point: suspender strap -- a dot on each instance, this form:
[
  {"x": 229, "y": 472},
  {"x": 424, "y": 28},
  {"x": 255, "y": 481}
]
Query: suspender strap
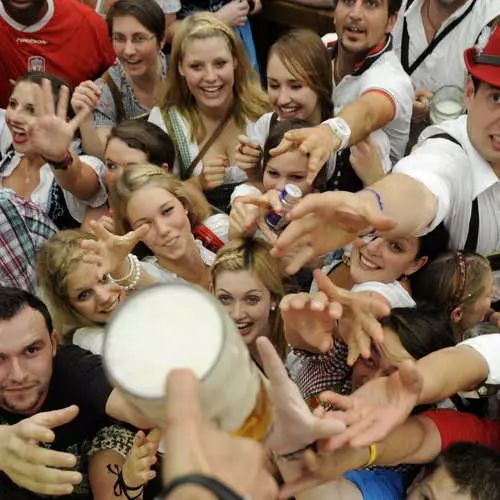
[
  {"x": 405, "y": 41},
  {"x": 473, "y": 232}
]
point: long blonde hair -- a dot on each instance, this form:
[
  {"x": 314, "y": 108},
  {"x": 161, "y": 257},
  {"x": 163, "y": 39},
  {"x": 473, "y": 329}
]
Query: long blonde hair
[
  {"x": 250, "y": 101},
  {"x": 253, "y": 255},
  {"x": 135, "y": 177},
  {"x": 57, "y": 259}
]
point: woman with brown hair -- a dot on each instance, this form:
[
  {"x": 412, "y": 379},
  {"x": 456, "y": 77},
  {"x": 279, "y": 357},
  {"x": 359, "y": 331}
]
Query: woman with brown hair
[{"x": 210, "y": 96}]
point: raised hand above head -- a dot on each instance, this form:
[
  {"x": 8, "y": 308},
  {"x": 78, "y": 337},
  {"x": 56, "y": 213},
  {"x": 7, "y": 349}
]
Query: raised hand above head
[
  {"x": 110, "y": 251},
  {"x": 51, "y": 133},
  {"x": 294, "y": 426},
  {"x": 328, "y": 221},
  {"x": 234, "y": 13},
  {"x": 34, "y": 467}
]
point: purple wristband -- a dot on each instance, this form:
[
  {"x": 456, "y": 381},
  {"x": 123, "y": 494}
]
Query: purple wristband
[{"x": 377, "y": 197}]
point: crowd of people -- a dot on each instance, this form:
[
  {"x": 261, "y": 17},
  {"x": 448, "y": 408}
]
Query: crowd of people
[{"x": 351, "y": 235}]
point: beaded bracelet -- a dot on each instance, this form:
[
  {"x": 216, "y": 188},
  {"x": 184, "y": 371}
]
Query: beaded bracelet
[{"x": 135, "y": 271}]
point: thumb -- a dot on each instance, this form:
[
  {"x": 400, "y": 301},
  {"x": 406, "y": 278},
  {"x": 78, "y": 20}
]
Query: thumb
[
  {"x": 182, "y": 398},
  {"x": 273, "y": 366},
  {"x": 138, "y": 234},
  {"x": 56, "y": 418},
  {"x": 328, "y": 427},
  {"x": 154, "y": 435},
  {"x": 325, "y": 285},
  {"x": 411, "y": 377}
]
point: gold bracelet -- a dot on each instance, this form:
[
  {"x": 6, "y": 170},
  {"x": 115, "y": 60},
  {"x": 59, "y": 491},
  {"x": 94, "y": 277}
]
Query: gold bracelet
[{"x": 373, "y": 456}]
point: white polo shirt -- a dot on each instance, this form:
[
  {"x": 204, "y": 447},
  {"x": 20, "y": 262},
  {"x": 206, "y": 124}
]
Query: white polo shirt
[
  {"x": 456, "y": 176},
  {"x": 445, "y": 64},
  {"x": 385, "y": 75},
  {"x": 488, "y": 346}
]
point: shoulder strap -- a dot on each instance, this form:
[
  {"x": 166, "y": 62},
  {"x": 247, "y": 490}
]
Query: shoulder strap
[
  {"x": 217, "y": 132},
  {"x": 473, "y": 232},
  {"x": 176, "y": 133},
  {"x": 405, "y": 42},
  {"x": 117, "y": 96}
]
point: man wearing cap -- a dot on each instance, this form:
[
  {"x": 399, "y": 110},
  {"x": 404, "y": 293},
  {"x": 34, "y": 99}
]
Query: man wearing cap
[{"x": 429, "y": 32}]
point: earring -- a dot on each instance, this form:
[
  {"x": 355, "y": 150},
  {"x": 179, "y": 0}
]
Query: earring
[{"x": 273, "y": 307}]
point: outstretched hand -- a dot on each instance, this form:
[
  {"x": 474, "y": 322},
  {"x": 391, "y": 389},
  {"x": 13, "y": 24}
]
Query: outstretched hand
[
  {"x": 327, "y": 221},
  {"x": 32, "y": 466},
  {"x": 376, "y": 408},
  {"x": 318, "y": 143},
  {"x": 294, "y": 425},
  {"x": 51, "y": 134},
  {"x": 110, "y": 251}
]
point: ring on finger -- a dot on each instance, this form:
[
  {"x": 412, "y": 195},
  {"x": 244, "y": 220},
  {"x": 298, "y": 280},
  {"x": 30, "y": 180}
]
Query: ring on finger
[{"x": 241, "y": 149}]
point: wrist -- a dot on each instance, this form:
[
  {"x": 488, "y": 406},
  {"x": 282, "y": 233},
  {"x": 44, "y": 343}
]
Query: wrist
[
  {"x": 60, "y": 163},
  {"x": 341, "y": 130}
]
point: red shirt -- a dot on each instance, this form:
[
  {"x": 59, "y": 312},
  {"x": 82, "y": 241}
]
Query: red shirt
[
  {"x": 70, "y": 41},
  {"x": 455, "y": 426}
]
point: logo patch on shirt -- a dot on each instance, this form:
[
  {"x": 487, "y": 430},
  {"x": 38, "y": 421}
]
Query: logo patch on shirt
[{"x": 36, "y": 63}]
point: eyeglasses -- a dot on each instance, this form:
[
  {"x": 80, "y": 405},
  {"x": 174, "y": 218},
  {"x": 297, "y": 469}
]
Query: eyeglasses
[{"x": 137, "y": 39}]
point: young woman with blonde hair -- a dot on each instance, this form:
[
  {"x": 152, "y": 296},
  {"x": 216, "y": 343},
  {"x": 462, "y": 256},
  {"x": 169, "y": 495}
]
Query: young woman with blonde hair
[
  {"x": 248, "y": 282},
  {"x": 210, "y": 96},
  {"x": 146, "y": 195}
]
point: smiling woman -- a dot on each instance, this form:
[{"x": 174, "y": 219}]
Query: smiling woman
[
  {"x": 210, "y": 96},
  {"x": 77, "y": 292},
  {"x": 248, "y": 282}
]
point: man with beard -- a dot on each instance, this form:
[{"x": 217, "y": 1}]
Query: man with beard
[
  {"x": 430, "y": 37},
  {"x": 63, "y": 37},
  {"x": 53, "y": 400}
]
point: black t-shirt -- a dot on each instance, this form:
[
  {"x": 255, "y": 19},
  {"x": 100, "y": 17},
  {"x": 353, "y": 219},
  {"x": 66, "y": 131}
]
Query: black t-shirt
[{"x": 78, "y": 378}]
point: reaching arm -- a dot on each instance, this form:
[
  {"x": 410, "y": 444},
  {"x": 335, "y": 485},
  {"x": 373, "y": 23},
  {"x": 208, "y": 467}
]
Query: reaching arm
[{"x": 80, "y": 179}]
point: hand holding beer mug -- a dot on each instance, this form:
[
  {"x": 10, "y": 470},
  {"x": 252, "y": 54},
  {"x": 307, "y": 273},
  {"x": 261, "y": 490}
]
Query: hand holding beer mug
[
  {"x": 447, "y": 103},
  {"x": 171, "y": 326}
]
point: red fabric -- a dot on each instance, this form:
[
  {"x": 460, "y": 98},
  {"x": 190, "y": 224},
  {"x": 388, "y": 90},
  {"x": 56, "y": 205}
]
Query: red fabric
[
  {"x": 456, "y": 426},
  {"x": 73, "y": 45}
]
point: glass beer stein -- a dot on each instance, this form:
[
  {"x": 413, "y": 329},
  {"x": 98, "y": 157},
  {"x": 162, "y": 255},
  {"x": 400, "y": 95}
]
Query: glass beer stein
[{"x": 169, "y": 326}]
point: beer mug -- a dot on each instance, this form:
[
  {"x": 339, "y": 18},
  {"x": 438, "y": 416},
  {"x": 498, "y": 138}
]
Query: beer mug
[
  {"x": 169, "y": 326},
  {"x": 447, "y": 103}
]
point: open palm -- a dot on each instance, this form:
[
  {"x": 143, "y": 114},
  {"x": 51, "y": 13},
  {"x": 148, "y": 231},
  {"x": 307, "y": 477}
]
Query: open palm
[{"x": 51, "y": 134}]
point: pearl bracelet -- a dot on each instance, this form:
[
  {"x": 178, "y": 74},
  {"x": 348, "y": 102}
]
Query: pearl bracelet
[{"x": 132, "y": 277}]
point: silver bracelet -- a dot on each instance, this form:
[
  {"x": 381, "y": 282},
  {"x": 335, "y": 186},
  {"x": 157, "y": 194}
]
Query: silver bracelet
[{"x": 133, "y": 276}]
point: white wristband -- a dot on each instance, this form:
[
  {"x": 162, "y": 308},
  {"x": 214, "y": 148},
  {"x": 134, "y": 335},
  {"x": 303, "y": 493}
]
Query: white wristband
[{"x": 341, "y": 129}]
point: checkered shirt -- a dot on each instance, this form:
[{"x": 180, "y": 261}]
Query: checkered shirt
[{"x": 24, "y": 228}]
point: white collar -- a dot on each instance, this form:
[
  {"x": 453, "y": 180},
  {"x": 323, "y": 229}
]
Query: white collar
[{"x": 33, "y": 27}]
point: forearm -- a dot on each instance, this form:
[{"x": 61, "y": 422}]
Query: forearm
[
  {"x": 400, "y": 194},
  {"x": 171, "y": 27},
  {"x": 93, "y": 143},
  {"x": 449, "y": 371},
  {"x": 119, "y": 408},
  {"x": 331, "y": 467},
  {"x": 368, "y": 113},
  {"x": 79, "y": 179},
  {"x": 191, "y": 492}
]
